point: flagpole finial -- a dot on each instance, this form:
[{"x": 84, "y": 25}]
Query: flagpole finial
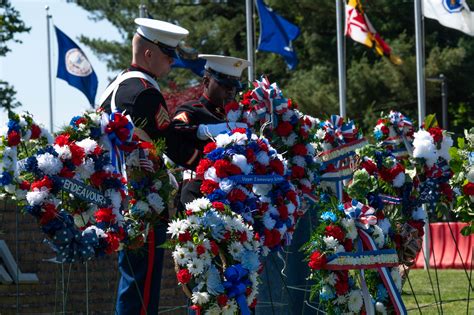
[{"x": 46, "y": 7}]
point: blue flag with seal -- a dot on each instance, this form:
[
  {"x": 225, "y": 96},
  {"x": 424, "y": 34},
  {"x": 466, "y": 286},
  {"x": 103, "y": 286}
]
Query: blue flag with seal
[
  {"x": 195, "y": 65},
  {"x": 74, "y": 67},
  {"x": 277, "y": 34}
]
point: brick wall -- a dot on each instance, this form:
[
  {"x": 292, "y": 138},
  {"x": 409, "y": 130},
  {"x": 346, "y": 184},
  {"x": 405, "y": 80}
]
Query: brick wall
[{"x": 46, "y": 296}]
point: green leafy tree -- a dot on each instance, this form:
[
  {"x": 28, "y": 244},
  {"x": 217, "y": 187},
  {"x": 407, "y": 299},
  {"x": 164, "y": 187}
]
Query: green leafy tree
[
  {"x": 374, "y": 84},
  {"x": 10, "y": 25}
]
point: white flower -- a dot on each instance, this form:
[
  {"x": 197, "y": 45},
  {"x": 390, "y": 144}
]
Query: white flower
[
  {"x": 222, "y": 140},
  {"x": 341, "y": 299},
  {"x": 396, "y": 278},
  {"x": 299, "y": 160},
  {"x": 241, "y": 161},
  {"x": 290, "y": 140},
  {"x": 196, "y": 266},
  {"x": 261, "y": 189},
  {"x": 239, "y": 138},
  {"x": 330, "y": 242},
  {"x": 226, "y": 185},
  {"x": 399, "y": 180},
  {"x": 235, "y": 249},
  {"x": 320, "y": 134},
  {"x": 379, "y": 237},
  {"x": 470, "y": 175},
  {"x": 355, "y": 301},
  {"x": 197, "y": 205},
  {"x": 36, "y": 197},
  {"x": 231, "y": 308},
  {"x": 45, "y": 133},
  {"x": 200, "y": 298},
  {"x": 331, "y": 279},
  {"x": 380, "y": 308},
  {"x": 99, "y": 232},
  {"x": 64, "y": 152},
  {"x": 446, "y": 144},
  {"x": 424, "y": 147},
  {"x": 384, "y": 225},
  {"x": 27, "y": 135},
  {"x": 268, "y": 222},
  {"x": 211, "y": 174},
  {"x": 86, "y": 169},
  {"x": 156, "y": 202},
  {"x": 349, "y": 226},
  {"x": 115, "y": 198},
  {"x": 262, "y": 158},
  {"x": 179, "y": 256},
  {"x": 177, "y": 227},
  {"x": 88, "y": 145},
  {"x": 49, "y": 164}
]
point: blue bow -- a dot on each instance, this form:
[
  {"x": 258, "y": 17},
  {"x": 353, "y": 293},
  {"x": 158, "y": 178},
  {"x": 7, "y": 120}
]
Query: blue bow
[{"x": 236, "y": 286}]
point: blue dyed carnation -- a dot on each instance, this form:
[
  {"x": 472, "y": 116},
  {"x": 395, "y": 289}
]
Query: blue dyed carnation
[{"x": 329, "y": 216}]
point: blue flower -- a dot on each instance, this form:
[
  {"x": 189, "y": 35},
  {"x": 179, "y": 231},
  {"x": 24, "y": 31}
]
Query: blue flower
[
  {"x": 378, "y": 134},
  {"x": 237, "y": 207},
  {"x": 326, "y": 293},
  {"x": 216, "y": 154},
  {"x": 249, "y": 260},
  {"x": 214, "y": 283},
  {"x": 217, "y": 195},
  {"x": 340, "y": 207},
  {"x": 5, "y": 178},
  {"x": 95, "y": 133},
  {"x": 13, "y": 125},
  {"x": 329, "y": 216},
  {"x": 73, "y": 121},
  {"x": 382, "y": 294}
]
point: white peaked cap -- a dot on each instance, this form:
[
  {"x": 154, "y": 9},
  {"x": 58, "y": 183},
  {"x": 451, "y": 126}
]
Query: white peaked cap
[
  {"x": 226, "y": 65},
  {"x": 160, "y": 31}
]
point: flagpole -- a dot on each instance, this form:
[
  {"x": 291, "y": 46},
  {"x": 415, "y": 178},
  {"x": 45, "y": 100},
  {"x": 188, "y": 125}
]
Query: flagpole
[
  {"x": 420, "y": 80},
  {"x": 48, "y": 17},
  {"x": 250, "y": 49},
  {"x": 341, "y": 60}
]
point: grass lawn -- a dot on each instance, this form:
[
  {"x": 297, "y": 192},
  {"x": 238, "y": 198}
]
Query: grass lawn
[{"x": 453, "y": 286}]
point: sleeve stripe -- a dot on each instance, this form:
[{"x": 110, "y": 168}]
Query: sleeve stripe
[{"x": 193, "y": 157}]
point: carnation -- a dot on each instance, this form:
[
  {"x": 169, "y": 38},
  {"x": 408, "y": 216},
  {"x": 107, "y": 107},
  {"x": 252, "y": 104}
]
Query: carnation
[
  {"x": 331, "y": 242},
  {"x": 49, "y": 164},
  {"x": 37, "y": 196},
  {"x": 200, "y": 298},
  {"x": 88, "y": 145},
  {"x": 156, "y": 202}
]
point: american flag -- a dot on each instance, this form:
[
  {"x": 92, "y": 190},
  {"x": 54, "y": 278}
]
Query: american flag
[{"x": 145, "y": 163}]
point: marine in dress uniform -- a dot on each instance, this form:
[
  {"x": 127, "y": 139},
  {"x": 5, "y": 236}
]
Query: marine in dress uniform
[
  {"x": 196, "y": 120},
  {"x": 136, "y": 91}
]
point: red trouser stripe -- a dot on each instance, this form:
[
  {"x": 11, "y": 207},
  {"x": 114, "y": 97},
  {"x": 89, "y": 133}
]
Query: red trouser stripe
[{"x": 149, "y": 271}]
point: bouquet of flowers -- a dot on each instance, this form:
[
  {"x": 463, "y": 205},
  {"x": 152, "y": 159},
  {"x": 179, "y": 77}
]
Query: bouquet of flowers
[
  {"x": 246, "y": 173},
  {"x": 217, "y": 258},
  {"x": 265, "y": 109},
  {"x": 394, "y": 132},
  {"x": 19, "y": 137},
  {"x": 462, "y": 164}
]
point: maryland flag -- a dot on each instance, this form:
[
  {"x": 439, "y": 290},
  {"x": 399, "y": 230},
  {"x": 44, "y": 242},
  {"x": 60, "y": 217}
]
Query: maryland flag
[{"x": 359, "y": 28}]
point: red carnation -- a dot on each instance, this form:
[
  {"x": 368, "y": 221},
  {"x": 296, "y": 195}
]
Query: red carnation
[
  {"x": 35, "y": 132},
  {"x": 236, "y": 195},
  {"x": 208, "y": 186},
  {"x": 259, "y": 169},
  {"x": 183, "y": 276},
  {"x": 104, "y": 215},
  {"x": 203, "y": 166},
  {"x": 284, "y": 129},
  {"x": 184, "y": 237},
  {"x": 232, "y": 105},
  {"x": 62, "y": 140},
  {"x": 77, "y": 154},
  {"x": 446, "y": 191},
  {"x": 272, "y": 238},
  {"x": 277, "y": 166},
  {"x": 239, "y": 130},
  {"x": 81, "y": 120},
  {"x": 97, "y": 178},
  {"x": 113, "y": 242},
  {"x": 250, "y": 155},
  {"x": 317, "y": 261},
  {"x": 66, "y": 172},
  {"x": 299, "y": 149},
  {"x": 25, "y": 185},
  {"x": 243, "y": 237},
  {"x": 48, "y": 212},
  {"x": 214, "y": 248},
  {"x": 385, "y": 130},
  {"x": 222, "y": 167},
  {"x": 334, "y": 231},
  {"x": 200, "y": 249},
  {"x": 292, "y": 196},
  {"x": 45, "y": 182},
  {"x": 468, "y": 189},
  {"x": 369, "y": 166},
  {"x": 219, "y": 206},
  {"x": 283, "y": 210},
  {"x": 222, "y": 300},
  {"x": 14, "y": 138},
  {"x": 436, "y": 133},
  {"x": 211, "y": 146},
  {"x": 342, "y": 287},
  {"x": 397, "y": 169},
  {"x": 297, "y": 172}
]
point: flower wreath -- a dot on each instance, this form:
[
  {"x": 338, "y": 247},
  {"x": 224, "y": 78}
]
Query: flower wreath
[
  {"x": 350, "y": 236},
  {"x": 216, "y": 256},
  {"x": 462, "y": 164},
  {"x": 395, "y": 133},
  {"x": 431, "y": 147},
  {"x": 246, "y": 173},
  {"x": 265, "y": 106}
]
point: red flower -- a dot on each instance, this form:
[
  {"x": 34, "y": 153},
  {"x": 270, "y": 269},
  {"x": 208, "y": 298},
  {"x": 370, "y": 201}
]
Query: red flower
[
  {"x": 259, "y": 169},
  {"x": 113, "y": 242},
  {"x": 232, "y": 105},
  {"x": 183, "y": 276},
  {"x": 299, "y": 149},
  {"x": 342, "y": 287},
  {"x": 211, "y": 146},
  {"x": 447, "y": 191},
  {"x": 254, "y": 303},
  {"x": 45, "y": 182},
  {"x": 200, "y": 249},
  {"x": 203, "y": 166},
  {"x": 284, "y": 129},
  {"x": 145, "y": 145},
  {"x": 25, "y": 185},
  {"x": 297, "y": 172},
  {"x": 77, "y": 154},
  {"x": 48, "y": 212},
  {"x": 397, "y": 169},
  {"x": 334, "y": 231},
  {"x": 283, "y": 210},
  {"x": 292, "y": 196},
  {"x": 369, "y": 166},
  {"x": 81, "y": 120},
  {"x": 219, "y": 206},
  {"x": 214, "y": 248},
  {"x": 35, "y": 132},
  {"x": 208, "y": 186},
  {"x": 250, "y": 155},
  {"x": 222, "y": 168},
  {"x": 385, "y": 130},
  {"x": 277, "y": 166},
  {"x": 14, "y": 138},
  {"x": 239, "y": 130},
  {"x": 105, "y": 215},
  {"x": 468, "y": 189},
  {"x": 243, "y": 237},
  {"x": 97, "y": 178},
  {"x": 348, "y": 245},
  {"x": 184, "y": 237},
  {"x": 66, "y": 172},
  {"x": 317, "y": 261},
  {"x": 222, "y": 300},
  {"x": 62, "y": 140},
  {"x": 272, "y": 238},
  {"x": 436, "y": 133},
  {"x": 236, "y": 195}
]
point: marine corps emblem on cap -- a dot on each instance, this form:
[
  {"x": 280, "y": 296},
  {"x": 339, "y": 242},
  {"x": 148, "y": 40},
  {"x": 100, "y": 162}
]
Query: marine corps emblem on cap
[{"x": 238, "y": 64}]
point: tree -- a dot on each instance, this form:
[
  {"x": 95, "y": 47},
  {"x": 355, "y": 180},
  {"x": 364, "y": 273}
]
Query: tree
[
  {"x": 374, "y": 84},
  {"x": 10, "y": 25}
]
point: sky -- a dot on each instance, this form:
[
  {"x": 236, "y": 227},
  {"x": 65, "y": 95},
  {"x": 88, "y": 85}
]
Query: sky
[{"x": 26, "y": 66}]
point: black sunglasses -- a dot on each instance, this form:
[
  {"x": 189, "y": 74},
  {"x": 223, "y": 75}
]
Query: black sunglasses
[
  {"x": 169, "y": 51},
  {"x": 226, "y": 81}
]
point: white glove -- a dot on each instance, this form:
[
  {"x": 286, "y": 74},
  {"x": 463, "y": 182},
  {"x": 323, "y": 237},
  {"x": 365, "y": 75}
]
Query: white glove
[{"x": 205, "y": 132}]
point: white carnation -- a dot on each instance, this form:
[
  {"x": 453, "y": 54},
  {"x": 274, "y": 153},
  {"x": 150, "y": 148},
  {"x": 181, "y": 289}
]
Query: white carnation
[
  {"x": 379, "y": 237},
  {"x": 226, "y": 185},
  {"x": 331, "y": 242},
  {"x": 349, "y": 226},
  {"x": 424, "y": 147},
  {"x": 222, "y": 140},
  {"x": 64, "y": 152},
  {"x": 241, "y": 162},
  {"x": 200, "y": 298},
  {"x": 446, "y": 144},
  {"x": 86, "y": 169},
  {"x": 290, "y": 140},
  {"x": 36, "y": 197},
  {"x": 211, "y": 174},
  {"x": 399, "y": 180},
  {"x": 156, "y": 202},
  {"x": 49, "y": 164},
  {"x": 88, "y": 145}
]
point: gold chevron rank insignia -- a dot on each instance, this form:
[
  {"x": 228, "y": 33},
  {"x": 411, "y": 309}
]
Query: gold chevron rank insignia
[
  {"x": 162, "y": 120},
  {"x": 183, "y": 116}
]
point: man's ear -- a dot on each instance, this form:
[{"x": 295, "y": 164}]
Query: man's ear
[{"x": 148, "y": 53}]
